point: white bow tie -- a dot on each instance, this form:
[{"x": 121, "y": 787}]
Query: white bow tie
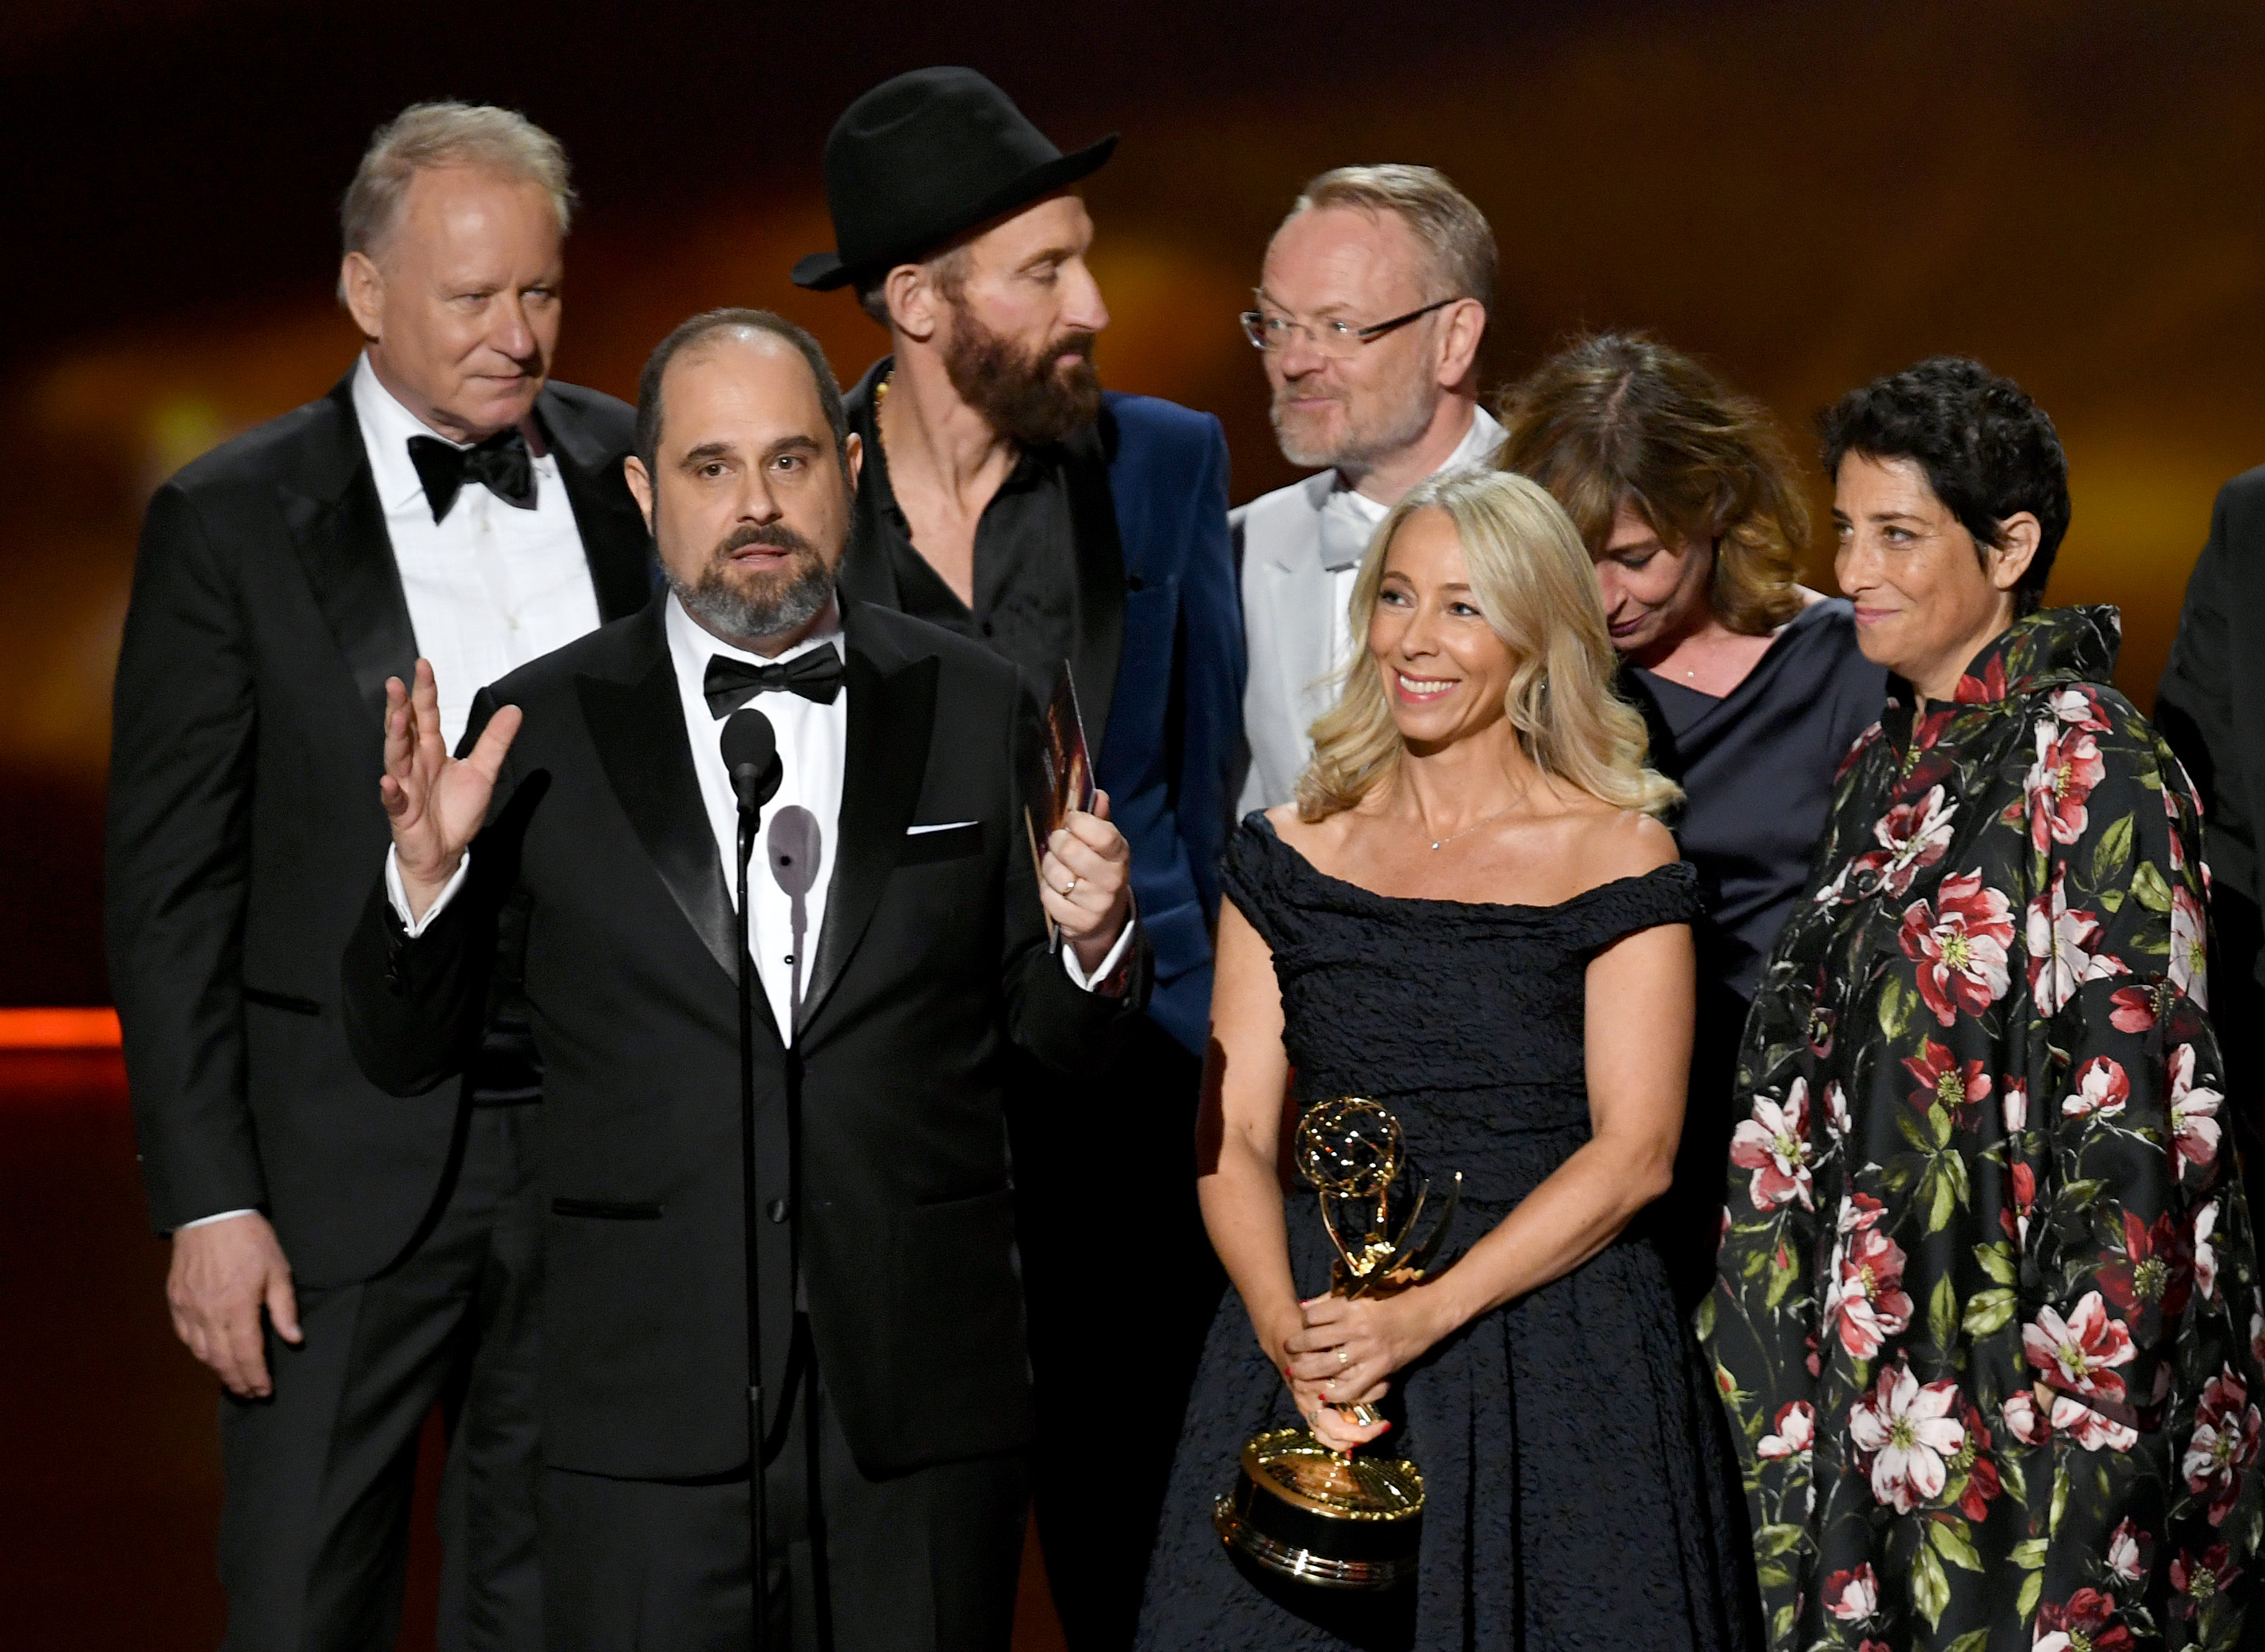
[{"x": 1345, "y": 531}]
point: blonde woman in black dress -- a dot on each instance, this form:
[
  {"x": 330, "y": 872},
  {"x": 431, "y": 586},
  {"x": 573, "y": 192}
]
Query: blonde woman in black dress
[{"x": 1471, "y": 916}]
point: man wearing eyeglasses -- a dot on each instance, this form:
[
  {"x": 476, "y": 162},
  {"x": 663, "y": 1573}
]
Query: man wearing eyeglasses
[{"x": 1374, "y": 300}]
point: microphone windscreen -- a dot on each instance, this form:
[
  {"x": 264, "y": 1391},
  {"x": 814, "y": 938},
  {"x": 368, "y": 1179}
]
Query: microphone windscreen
[{"x": 751, "y": 755}]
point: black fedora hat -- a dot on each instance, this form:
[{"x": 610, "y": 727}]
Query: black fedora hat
[{"x": 918, "y": 159}]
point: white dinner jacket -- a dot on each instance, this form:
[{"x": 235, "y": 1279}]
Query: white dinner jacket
[{"x": 1293, "y": 613}]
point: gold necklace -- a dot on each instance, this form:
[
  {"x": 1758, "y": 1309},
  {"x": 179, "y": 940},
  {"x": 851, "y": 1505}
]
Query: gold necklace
[{"x": 1440, "y": 843}]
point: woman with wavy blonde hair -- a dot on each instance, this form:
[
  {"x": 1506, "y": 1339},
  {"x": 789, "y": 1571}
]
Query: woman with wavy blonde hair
[{"x": 1471, "y": 917}]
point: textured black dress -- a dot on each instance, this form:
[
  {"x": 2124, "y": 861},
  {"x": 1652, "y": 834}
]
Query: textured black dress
[{"x": 1579, "y": 1489}]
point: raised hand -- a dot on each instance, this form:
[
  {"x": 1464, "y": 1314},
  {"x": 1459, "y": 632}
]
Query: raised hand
[{"x": 435, "y": 802}]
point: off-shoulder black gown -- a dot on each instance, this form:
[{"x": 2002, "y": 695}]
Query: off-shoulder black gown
[{"x": 1579, "y": 1489}]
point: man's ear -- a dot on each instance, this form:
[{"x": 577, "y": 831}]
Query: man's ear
[
  {"x": 1459, "y": 341},
  {"x": 2018, "y": 535},
  {"x": 853, "y": 458},
  {"x": 640, "y": 480},
  {"x": 915, "y": 308},
  {"x": 363, "y": 286}
]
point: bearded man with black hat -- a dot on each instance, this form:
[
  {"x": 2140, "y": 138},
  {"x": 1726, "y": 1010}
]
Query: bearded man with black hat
[{"x": 1006, "y": 497}]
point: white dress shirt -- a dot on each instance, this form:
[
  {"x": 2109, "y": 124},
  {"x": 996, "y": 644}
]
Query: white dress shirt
[
  {"x": 1301, "y": 548},
  {"x": 490, "y": 586},
  {"x": 793, "y": 863},
  {"x": 793, "y": 867}
]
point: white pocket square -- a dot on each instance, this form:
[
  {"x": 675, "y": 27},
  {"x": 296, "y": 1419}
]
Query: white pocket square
[{"x": 941, "y": 825}]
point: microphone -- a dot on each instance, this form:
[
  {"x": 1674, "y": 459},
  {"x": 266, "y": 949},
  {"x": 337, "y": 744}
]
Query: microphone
[{"x": 751, "y": 754}]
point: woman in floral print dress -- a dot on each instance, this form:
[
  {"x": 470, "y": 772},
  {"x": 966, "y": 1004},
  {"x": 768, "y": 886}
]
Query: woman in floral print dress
[{"x": 1987, "y": 1314}]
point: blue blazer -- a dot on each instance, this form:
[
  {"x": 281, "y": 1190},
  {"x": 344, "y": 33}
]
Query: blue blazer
[{"x": 1174, "y": 723}]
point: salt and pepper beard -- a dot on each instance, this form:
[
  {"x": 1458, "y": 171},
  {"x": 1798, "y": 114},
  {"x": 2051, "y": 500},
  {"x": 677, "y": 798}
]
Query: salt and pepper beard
[
  {"x": 1396, "y": 423},
  {"x": 777, "y": 605},
  {"x": 1022, "y": 395}
]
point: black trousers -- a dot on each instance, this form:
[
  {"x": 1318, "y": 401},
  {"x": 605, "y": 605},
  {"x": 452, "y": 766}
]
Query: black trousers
[
  {"x": 1109, "y": 1228},
  {"x": 314, "y": 1519},
  {"x": 925, "y": 1562}
]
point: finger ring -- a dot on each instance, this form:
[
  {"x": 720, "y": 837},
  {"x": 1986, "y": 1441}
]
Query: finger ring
[
  {"x": 1070, "y": 888},
  {"x": 1344, "y": 1358}
]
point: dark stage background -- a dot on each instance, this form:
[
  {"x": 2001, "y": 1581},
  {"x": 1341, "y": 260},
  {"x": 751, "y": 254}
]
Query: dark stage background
[{"x": 1808, "y": 195}]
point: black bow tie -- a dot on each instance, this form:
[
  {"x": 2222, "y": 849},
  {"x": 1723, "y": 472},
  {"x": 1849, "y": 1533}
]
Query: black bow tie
[
  {"x": 732, "y": 683},
  {"x": 501, "y": 464}
]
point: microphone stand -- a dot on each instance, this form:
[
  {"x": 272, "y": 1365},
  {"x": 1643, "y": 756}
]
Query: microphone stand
[
  {"x": 750, "y": 817},
  {"x": 750, "y": 749}
]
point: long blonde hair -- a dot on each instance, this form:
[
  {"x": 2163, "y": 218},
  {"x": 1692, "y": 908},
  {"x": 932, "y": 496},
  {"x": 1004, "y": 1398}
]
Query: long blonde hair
[{"x": 1533, "y": 581}]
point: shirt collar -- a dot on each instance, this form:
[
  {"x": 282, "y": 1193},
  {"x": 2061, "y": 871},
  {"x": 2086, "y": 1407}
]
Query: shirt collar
[{"x": 387, "y": 426}]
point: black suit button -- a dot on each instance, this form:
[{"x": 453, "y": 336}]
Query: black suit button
[
  {"x": 986, "y": 628},
  {"x": 776, "y": 1210}
]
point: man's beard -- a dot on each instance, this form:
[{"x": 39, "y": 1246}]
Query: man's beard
[
  {"x": 1022, "y": 395},
  {"x": 1384, "y": 428},
  {"x": 777, "y": 605}
]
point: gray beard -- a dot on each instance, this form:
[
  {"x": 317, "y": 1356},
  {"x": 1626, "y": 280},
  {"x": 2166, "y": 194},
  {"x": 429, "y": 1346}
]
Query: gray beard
[
  {"x": 751, "y": 616},
  {"x": 1384, "y": 431}
]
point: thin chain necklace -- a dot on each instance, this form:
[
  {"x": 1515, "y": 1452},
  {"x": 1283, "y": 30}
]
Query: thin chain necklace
[{"x": 1441, "y": 843}]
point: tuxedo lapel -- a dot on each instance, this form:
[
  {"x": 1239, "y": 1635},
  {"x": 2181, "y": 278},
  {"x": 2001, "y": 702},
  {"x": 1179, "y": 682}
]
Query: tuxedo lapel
[
  {"x": 1100, "y": 553},
  {"x": 606, "y": 517},
  {"x": 338, "y": 527},
  {"x": 638, "y": 727},
  {"x": 1305, "y": 624},
  {"x": 891, "y": 715}
]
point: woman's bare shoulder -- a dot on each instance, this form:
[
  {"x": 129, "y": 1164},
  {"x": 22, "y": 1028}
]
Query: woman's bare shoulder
[{"x": 1617, "y": 843}]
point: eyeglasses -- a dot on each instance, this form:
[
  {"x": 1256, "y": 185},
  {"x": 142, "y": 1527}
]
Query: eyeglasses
[{"x": 1271, "y": 332}]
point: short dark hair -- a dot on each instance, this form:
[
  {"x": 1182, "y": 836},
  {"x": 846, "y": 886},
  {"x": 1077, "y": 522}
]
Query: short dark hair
[
  {"x": 1989, "y": 451},
  {"x": 706, "y": 325}
]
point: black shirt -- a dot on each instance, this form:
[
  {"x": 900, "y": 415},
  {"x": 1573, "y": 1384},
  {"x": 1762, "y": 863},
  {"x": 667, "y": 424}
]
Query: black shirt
[
  {"x": 1025, "y": 587},
  {"x": 1757, "y": 766}
]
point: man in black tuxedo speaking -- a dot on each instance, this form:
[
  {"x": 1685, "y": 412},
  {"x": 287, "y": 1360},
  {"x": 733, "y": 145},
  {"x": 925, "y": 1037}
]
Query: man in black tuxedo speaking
[
  {"x": 895, "y": 924},
  {"x": 447, "y": 499}
]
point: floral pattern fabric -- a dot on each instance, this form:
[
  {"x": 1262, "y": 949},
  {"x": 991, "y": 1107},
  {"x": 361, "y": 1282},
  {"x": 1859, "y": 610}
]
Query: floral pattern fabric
[{"x": 1987, "y": 1320}]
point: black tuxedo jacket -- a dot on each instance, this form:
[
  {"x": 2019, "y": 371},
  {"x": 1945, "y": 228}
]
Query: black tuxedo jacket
[
  {"x": 246, "y": 746},
  {"x": 2212, "y": 707},
  {"x": 930, "y": 961}
]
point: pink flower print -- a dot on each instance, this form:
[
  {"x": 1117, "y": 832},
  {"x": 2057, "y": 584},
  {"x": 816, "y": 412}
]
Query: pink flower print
[
  {"x": 1773, "y": 1144},
  {"x": 1960, "y": 948},
  {"x": 1866, "y": 1302},
  {"x": 2019, "y": 1413},
  {"x": 2102, "y": 1090},
  {"x": 2189, "y": 965},
  {"x": 1942, "y": 1078},
  {"x": 2224, "y": 1443},
  {"x": 2078, "y": 707},
  {"x": 2205, "y": 1254},
  {"x": 1796, "y": 1433},
  {"x": 1907, "y": 1430},
  {"x": 2081, "y": 1350},
  {"x": 2064, "y": 948},
  {"x": 2128, "y": 1553},
  {"x": 2014, "y": 1101},
  {"x": 2090, "y": 1429},
  {"x": 1852, "y": 1596},
  {"x": 2067, "y": 768},
  {"x": 2194, "y": 1115}
]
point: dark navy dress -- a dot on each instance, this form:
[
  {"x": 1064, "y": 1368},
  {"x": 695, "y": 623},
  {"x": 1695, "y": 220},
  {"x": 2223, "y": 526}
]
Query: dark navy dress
[
  {"x": 1580, "y": 1489},
  {"x": 1756, "y": 766}
]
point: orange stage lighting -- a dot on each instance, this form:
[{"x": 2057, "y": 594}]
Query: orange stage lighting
[{"x": 94, "y": 1028}]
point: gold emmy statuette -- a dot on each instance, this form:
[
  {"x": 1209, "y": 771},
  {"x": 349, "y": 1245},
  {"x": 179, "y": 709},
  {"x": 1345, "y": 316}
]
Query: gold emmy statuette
[{"x": 1298, "y": 1507}]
